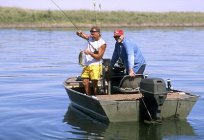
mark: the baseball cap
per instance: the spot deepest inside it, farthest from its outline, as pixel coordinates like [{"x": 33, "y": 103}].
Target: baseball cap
[{"x": 118, "y": 32}]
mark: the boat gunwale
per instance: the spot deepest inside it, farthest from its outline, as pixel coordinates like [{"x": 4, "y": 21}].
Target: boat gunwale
[{"x": 186, "y": 95}]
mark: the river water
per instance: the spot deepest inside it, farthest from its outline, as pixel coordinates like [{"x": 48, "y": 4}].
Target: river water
[{"x": 35, "y": 62}]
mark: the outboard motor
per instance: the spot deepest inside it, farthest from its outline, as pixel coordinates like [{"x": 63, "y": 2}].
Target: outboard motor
[{"x": 154, "y": 92}]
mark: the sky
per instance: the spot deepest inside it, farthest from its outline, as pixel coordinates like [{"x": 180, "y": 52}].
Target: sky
[{"x": 111, "y": 5}]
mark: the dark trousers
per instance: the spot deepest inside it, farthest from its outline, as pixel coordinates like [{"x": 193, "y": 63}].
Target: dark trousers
[{"x": 141, "y": 69}]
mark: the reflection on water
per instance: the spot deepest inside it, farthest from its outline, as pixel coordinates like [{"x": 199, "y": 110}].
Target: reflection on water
[{"x": 89, "y": 128}]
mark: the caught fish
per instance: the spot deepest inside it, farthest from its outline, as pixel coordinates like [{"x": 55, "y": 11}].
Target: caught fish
[{"x": 81, "y": 57}]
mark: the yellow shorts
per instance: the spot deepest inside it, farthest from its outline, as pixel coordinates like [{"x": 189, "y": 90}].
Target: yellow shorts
[{"x": 92, "y": 72}]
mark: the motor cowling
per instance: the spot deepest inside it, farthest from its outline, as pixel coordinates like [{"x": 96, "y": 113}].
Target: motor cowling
[{"x": 155, "y": 93}]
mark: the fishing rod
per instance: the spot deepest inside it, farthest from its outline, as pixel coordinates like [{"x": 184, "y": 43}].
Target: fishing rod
[
  {"x": 99, "y": 5},
  {"x": 100, "y": 12},
  {"x": 81, "y": 52},
  {"x": 95, "y": 50},
  {"x": 64, "y": 14},
  {"x": 94, "y": 4}
]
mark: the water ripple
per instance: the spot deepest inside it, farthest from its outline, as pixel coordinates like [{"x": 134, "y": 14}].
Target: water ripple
[{"x": 34, "y": 63}]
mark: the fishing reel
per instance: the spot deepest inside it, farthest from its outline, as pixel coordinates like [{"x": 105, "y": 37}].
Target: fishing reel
[{"x": 95, "y": 52}]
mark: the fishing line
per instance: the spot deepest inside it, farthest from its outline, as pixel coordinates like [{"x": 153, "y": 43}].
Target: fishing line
[{"x": 150, "y": 116}]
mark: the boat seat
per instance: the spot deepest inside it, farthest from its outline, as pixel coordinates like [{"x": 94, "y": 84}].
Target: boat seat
[{"x": 129, "y": 84}]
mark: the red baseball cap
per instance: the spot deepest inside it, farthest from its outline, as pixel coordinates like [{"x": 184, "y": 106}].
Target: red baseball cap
[{"x": 118, "y": 32}]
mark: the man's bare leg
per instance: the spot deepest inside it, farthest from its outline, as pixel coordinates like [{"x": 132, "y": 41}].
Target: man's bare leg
[
  {"x": 95, "y": 86},
  {"x": 86, "y": 86}
]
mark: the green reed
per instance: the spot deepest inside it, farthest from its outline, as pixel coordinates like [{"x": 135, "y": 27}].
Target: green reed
[{"x": 106, "y": 18}]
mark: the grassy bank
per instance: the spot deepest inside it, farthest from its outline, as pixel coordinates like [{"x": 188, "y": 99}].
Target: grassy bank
[{"x": 15, "y": 17}]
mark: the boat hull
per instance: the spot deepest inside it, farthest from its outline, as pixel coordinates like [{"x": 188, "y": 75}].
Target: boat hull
[
  {"x": 127, "y": 107},
  {"x": 178, "y": 107},
  {"x": 87, "y": 105}
]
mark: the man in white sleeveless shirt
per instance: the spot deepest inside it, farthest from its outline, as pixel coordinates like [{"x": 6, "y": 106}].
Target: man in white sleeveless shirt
[{"x": 93, "y": 58}]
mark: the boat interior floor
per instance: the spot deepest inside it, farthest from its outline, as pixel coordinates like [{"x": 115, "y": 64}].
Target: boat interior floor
[
  {"x": 75, "y": 84},
  {"x": 128, "y": 97}
]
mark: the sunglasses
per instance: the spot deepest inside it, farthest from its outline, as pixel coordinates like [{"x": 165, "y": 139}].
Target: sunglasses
[
  {"x": 116, "y": 37},
  {"x": 92, "y": 31}
]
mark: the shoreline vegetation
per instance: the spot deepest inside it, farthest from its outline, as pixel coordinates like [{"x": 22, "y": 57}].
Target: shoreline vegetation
[{"x": 11, "y": 17}]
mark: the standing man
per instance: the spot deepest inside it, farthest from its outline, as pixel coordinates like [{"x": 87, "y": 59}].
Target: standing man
[
  {"x": 93, "y": 58},
  {"x": 128, "y": 52}
]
